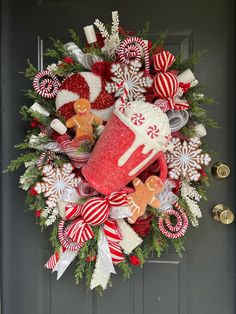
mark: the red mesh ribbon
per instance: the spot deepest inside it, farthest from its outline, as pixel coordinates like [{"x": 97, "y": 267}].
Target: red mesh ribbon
[{"x": 142, "y": 226}]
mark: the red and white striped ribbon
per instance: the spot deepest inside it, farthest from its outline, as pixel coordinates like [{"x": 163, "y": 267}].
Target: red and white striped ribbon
[
  {"x": 113, "y": 235},
  {"x": 130, "y": 50},
  {"x": 116, "y": 252},
  {"x": 72, "y": 211},
  {"x": 112, "y": 231},
  {"x": 51, "y": 263},
  {"x": 79, "y": 232},
  {"x": 95, "y": 211},
  {"x": 70, "y": 148},
  {"x": 165, "y": 84},
  {"x": 46, "y": 84}
]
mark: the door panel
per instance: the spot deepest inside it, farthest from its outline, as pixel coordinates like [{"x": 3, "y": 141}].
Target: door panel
[{"x": 203, "y": 280}]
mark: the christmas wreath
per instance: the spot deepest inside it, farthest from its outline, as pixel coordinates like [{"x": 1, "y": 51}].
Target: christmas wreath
[{"x": 114, "y": 162}]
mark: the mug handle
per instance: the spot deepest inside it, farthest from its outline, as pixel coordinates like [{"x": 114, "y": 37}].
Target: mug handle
[{"x": 160, "y": 166}]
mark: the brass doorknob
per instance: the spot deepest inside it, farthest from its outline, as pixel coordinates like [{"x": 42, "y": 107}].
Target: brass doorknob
[
  {"x": 223, "y": 214},
  {"x": 220, "y": 170}
]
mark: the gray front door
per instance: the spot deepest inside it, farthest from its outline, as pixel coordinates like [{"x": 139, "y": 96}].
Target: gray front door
[{"x": 203, "y": 280}]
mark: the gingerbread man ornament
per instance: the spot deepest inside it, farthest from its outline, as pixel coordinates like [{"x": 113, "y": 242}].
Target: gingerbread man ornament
[
  {"x": 145, "y": 194},
  {"x": 83, "y": 120}
]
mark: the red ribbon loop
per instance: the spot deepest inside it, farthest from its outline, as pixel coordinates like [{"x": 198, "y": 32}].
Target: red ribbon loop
[{"x": 78, "y": 231}]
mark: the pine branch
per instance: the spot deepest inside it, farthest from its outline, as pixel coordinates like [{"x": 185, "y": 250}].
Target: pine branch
[
  {"x": 54, "y": 236},
  {"x": 47, "y": 104},
  {"x": 126, "y": 269},
  {"x": 59, "y": 52},
  {"x": 75, "y": 37},
  {"x": 30, "y": 71},
  {"x": 16, "y": 163},
  {"x": 144, "y": 32},
  {"x": 178, "y": 245},
  {"x": 182, "y": 65}
]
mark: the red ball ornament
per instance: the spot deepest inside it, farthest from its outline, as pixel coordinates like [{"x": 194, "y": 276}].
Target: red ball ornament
[{"x": 84, "y": 85}]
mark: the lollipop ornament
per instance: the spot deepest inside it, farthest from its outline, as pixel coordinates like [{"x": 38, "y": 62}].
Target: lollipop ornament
[
  {"x": 131, "y": 49},
  {"x": 46, "y": 84}
]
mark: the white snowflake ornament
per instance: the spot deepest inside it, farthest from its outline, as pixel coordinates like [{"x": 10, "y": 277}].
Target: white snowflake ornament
[
  {"x": 186, "y": 159},
  {"x": 132, "y": 77},
  {"x": 55, "y": 181}
]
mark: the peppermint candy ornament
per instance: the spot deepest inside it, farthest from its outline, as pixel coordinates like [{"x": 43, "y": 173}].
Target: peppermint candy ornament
[
  {"x": 165, "y": 86},
  {"x": 153, "y": 131},
  {"x": 84, "y": 85},
  {"x": 46, "y": 84},
  {"x": 163, "y": 60}
]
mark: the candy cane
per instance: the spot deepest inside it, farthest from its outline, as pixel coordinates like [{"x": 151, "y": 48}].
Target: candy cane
[
  {"x": 125, "y": 94},
  {"x": 46, "y": 84},
  {"x": 130, "y": 49},
  {"x": 45, "y": 157}
]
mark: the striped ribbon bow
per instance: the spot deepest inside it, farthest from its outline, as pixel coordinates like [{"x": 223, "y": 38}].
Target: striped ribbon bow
[{"x": 93, "y": 213}]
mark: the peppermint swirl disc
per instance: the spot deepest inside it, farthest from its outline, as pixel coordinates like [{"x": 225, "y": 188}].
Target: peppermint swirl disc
[
  {"x": 46, "y": 84},
  {"x": 168, "y": 228}
]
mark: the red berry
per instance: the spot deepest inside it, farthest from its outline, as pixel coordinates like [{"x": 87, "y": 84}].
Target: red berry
[
  {"x": 134, "y": 260},
  {"x": 38, "y": 213},
  {"x": 33, "y": 192},
  {"x": 91, "y": 258},
  {"x": 34, "y": 123},
  {"x": 68, "y": 60}
]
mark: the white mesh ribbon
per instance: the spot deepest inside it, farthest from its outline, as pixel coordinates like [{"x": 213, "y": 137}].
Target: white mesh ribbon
[
  {"x": 66, "y": 258},
  {"x": 167, "y": 198},
  {"x": 104, "y": 265}
]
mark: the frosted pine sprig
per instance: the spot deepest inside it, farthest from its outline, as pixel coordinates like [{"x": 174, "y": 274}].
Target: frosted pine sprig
[
  {"x": 102, "y": 29},
  {"x": 50, "y": 214},
  {"x": 191, "y": 197},
  {"x": 111, "y": 41},
  {"x": 115, "y": 23}
]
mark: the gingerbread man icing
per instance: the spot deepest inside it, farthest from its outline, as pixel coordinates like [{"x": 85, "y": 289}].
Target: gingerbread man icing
[
  {"x": 145, "y": 194},
  {"x": 83, "y": 120}
]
